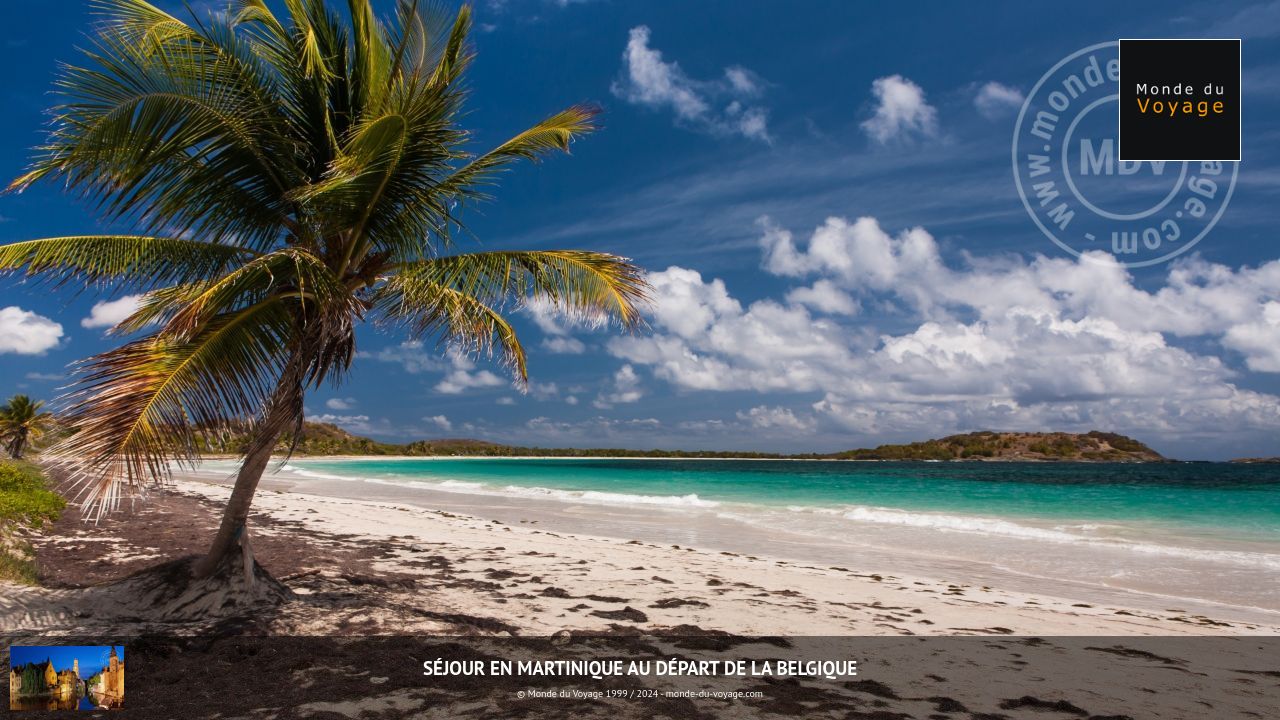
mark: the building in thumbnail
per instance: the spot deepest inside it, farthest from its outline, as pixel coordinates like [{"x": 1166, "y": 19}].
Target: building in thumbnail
[{"x": 110, "y": 687}]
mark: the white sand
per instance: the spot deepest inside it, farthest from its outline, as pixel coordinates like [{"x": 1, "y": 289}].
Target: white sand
[{"x": 679, "y": 585}]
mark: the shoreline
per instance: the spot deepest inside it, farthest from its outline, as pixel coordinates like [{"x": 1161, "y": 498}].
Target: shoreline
[
  {"x": 439, "y": 565},
  {"x": 1035, "y": 461},
  {"x": 1059, "y": 607},
  {"x": 1147, "y": 562}
]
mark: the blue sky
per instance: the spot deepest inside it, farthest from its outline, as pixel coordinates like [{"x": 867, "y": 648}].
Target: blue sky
[
  {"x": 92, "y": 657},
  {"x": 824, "y": 197}
]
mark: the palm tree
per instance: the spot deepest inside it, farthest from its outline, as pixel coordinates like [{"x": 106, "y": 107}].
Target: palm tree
[
  {"x": 283, "y": 180},
  {"x": 22, "y": 422}
]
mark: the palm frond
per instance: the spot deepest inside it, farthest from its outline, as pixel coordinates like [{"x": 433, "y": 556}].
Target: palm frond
[
  {"x": 174, "y": 129},
  {"x": 125, "y": 261},
  {"x": 582, "y": 284},
  {"x": 460, "y": 297},
  {"x": 555, "y": 133},
  {"x": 455, "y": 319},
  {"x": 289, "y": 272},
  {"x": 143, "y": 405}
]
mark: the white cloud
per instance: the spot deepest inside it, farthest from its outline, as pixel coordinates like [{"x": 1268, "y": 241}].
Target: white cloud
[
  {"x": 995, "y": 101},
  {"x": 719, "y": 107},
  {"x": 556, "y": 323},
  {"x": 25, "y": 333},
  {"x": 743, "y": 81},
  {"x": 707, "y": 341},
  {"x": 626, "y": 389},
  {"x": 110, "y": 313},
  {"x": 595, "y": 431},
  {"x": 352, "y": 423},
  {"x": 544, "y": 391},
  {"x": 775, "y": 418},
  {"x": 564, "y": 346},
  {"x": 340, "y": 403},
  {"x": 901, "y": 111},
  {"x": 824, "y": 296},
  {"x": 411, "y": 355},
  {"x": 1258, "y": 339},
  {"x": 440, "y": 421},
  {"x": 1049, "y": 343},
  {"x": 460, "y": 372},
  {"x": 464, "y": 376},
  {"x": 506, "y": 400},
  {"x": 46, "y": 377}
]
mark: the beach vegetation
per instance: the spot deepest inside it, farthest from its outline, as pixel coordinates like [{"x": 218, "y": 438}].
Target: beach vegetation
[{"x": 26, "y": 505}]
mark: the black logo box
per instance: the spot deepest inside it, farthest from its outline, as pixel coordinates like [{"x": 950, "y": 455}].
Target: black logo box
[{"x": 1187, "y": 68}]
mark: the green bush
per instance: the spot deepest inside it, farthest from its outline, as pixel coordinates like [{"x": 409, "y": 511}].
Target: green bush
[
  {"x": 25, "y": 502},
  {"x": 24, "y": 498}
]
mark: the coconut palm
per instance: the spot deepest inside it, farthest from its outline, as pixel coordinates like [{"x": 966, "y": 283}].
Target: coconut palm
[
  {"x": 284, "y": 178},
  {"x": 21, "y": 423}
]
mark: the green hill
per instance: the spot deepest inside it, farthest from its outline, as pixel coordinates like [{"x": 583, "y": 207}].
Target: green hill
[
  {"x": 327, "y": 439},
  {"x": 988, "y": 445}
]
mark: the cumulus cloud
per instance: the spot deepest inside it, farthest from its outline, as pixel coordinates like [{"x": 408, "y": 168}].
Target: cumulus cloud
[
  {"x": 556, "y": 324},
  {"x": 352, "y": 423},
  {"x": 597, "y": 430},
  {"x": 340, "y": 403},
  {"x": 994, "y": 342},
  {"x": 995, "y": 101},
  {"x": 824, "y": 296},
  {"x": 720, "y": 107},
  {"x": 23, "y": 332},
  {"x": 901, "y": 111},
  {"x": 460, "y": 371},
  {"x": 764, "y": 417},
  {"x": 464, "y": 376},
  {"x": 412, "y": 355},
  {"x": 110, "y": 313},
  {"x": 1258, "y": 339},
  {"x": 626, "y": 389},
  {"x": 564, "y": 346},
  {"x": 439, "y": 421}
]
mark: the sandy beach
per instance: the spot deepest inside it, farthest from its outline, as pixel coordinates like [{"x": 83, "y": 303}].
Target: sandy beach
[{"x": 424, "y": 568}]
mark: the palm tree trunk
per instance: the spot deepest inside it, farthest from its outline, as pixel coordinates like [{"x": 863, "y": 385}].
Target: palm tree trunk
[
  {"x": 281, "y": 412},
  {"x": 19, "y": 444}
]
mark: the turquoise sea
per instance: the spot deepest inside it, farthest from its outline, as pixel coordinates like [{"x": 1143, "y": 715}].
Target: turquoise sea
[
  {"x": 1232, "y": 501},
  {"x": 1208, "y": 531}
]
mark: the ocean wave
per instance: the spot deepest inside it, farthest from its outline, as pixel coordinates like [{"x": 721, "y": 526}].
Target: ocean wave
[
  {"x": 594, "y": 497},
  {"x": 977, "y": 525},
  {"x": 610, "y": 498}
]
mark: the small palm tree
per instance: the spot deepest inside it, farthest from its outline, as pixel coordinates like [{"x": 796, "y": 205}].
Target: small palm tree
[
  {"x": 21, "y": 423},
  {"x": 284, "y": 179}
]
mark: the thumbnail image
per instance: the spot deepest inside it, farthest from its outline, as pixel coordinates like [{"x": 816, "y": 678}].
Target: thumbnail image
[{"x": 66, "y": 677}]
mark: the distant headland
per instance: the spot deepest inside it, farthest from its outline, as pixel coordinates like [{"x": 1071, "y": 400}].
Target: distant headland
[{"x": 320, "y": 439}]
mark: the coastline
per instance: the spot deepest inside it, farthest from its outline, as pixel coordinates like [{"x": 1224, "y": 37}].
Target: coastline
[
  {"x": 946, "y": 594},
  {"x": 301, "y": 456},
  {"x": 529, "y": 566},
  {"x": 412, "y": 567}
]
